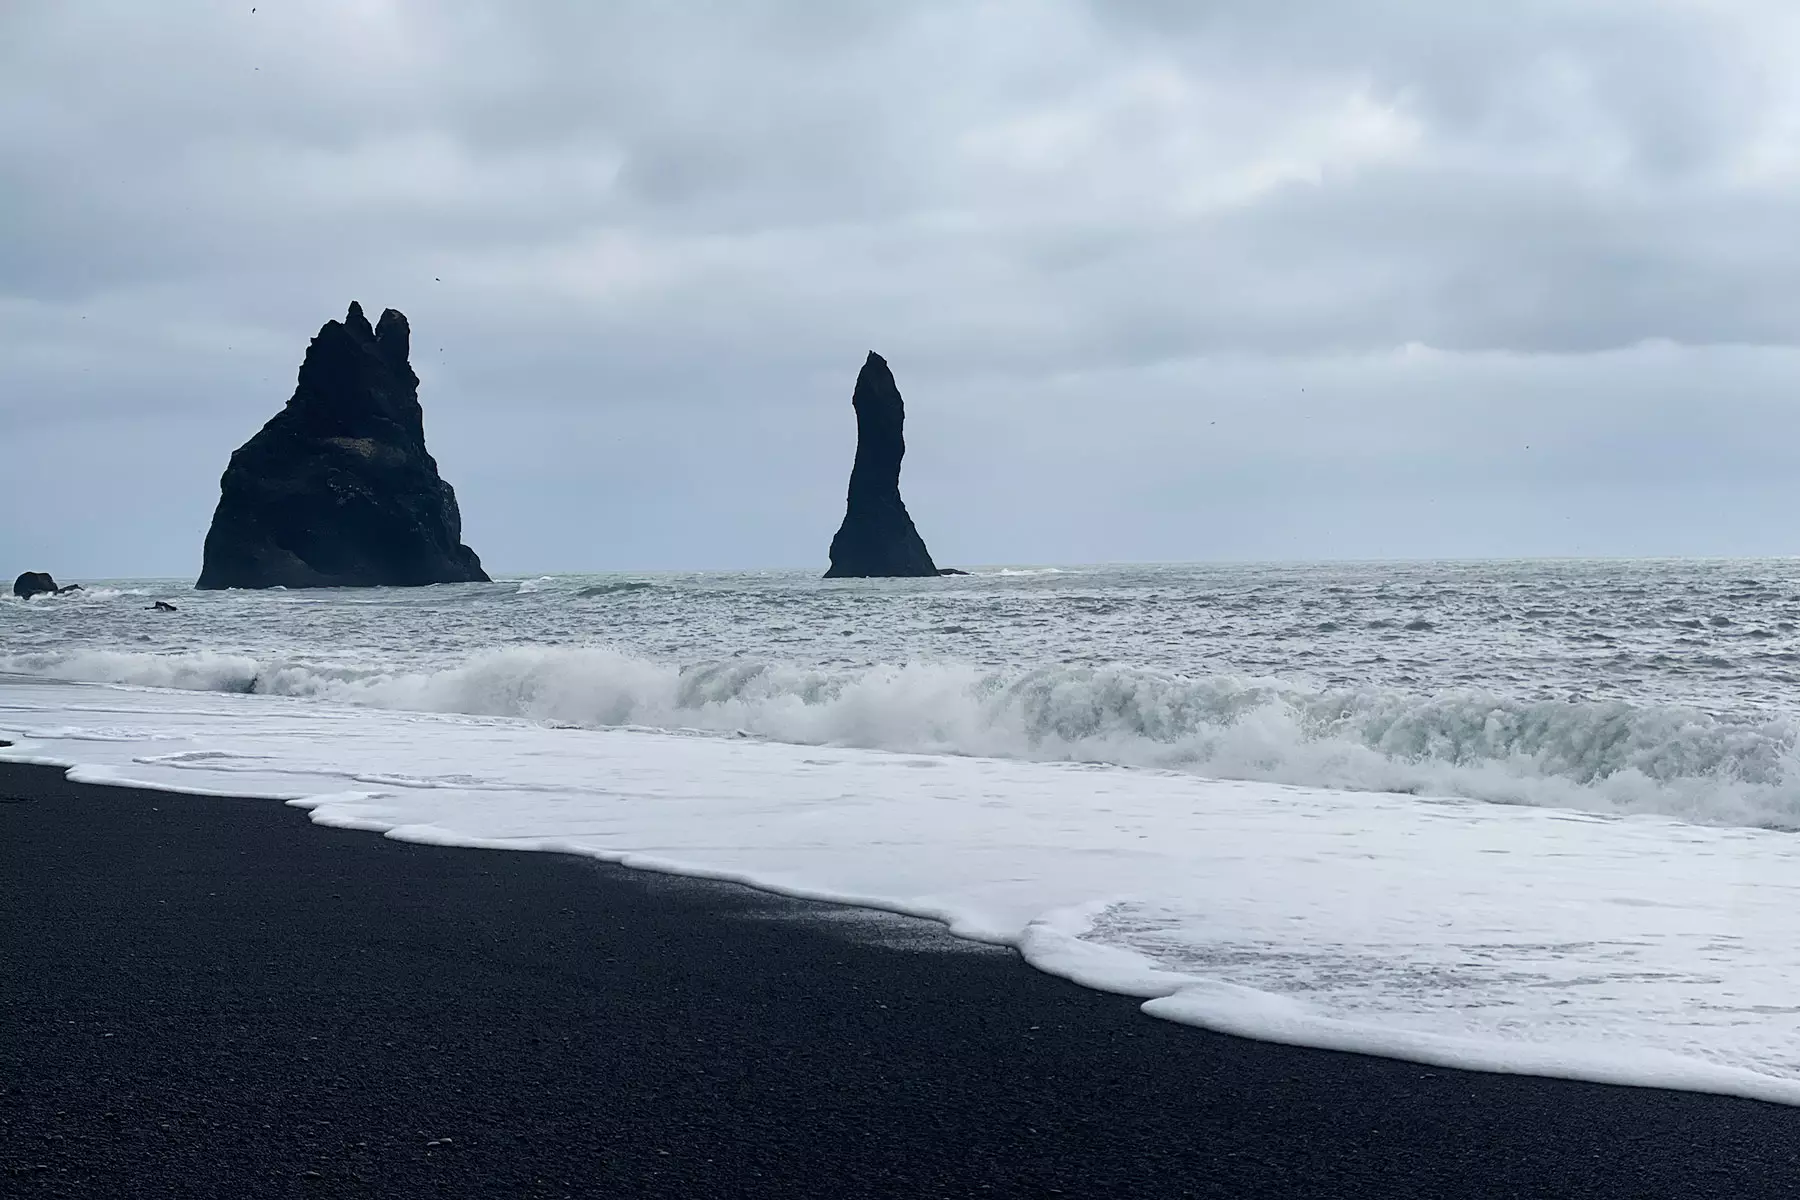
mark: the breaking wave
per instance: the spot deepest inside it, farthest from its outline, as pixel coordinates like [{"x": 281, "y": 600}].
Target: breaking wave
[
  {"x": 614, "y": 589},
  {"x": 84, "y": 593},
  {"x": 1598, "y": 756}
]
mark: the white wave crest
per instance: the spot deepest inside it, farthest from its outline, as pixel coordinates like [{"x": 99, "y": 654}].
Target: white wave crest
[
  {"x": 204, "y": 671},
  {"x": 1598, "y": 756},
  {"x": 81, "y": 594}
]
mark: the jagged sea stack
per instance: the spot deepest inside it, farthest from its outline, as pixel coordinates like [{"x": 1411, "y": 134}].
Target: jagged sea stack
[
  {"x": 877, "y": 537},
  {"x": 337, "y": 490}
]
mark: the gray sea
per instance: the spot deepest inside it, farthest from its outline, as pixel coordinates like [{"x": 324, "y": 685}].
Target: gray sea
[{"x": 1628, "y": 686}]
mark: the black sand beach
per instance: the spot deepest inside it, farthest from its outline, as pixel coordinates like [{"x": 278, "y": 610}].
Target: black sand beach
[{"x": 212, "y": 997}]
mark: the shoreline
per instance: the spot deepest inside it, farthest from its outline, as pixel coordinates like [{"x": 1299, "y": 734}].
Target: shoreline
[
  {"x": 705, "y": 811},
  {"x": 216, "y": 996}
]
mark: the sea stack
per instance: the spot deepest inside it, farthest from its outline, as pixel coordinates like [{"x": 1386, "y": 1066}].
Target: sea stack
[
  {"x": 877, "y": 537},
  {"x": 337, "y": 490}
]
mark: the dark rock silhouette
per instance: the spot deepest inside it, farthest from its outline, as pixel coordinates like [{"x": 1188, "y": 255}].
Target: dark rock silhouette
[
  {"x": 38, "y": 583},
  {"x": 337, "y": 490},
  {"x": 33, "y": 583},
  {"x": 162, "y": 606},
  {"x": 877, "y": 537}
]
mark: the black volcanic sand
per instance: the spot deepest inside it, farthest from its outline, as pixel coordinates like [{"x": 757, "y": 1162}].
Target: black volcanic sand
[{"x": 212, "y": 997}]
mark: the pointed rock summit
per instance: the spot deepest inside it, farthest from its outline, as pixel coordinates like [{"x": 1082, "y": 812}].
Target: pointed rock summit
[
  {"x": 337, "y": 490},
  {"x": 877, "y": 537}
]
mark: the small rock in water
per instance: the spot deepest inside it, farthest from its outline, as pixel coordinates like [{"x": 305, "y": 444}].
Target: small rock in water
[{"x": 34, "y": 583}]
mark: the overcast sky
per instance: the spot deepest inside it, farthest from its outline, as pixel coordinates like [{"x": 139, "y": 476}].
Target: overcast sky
[{"x": 1158, "y": 280}]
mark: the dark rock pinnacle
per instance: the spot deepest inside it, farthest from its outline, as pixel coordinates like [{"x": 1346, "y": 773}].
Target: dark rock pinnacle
[
  {"x": 877, "y": 537},
  {"x": 338, "y": 490}
]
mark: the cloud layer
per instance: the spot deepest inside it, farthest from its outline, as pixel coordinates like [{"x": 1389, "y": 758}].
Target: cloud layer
[{"x": 1159, "y": 280}]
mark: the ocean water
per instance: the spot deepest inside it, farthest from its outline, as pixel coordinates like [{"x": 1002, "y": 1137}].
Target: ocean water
[{"x": 1520, "y": 816}]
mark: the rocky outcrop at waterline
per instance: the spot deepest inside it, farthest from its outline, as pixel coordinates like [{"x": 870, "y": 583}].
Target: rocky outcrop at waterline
[
  {"x": 338, "y": 490},
  {"x": 39, "y": 583},
  {"x": 877, "y": 537}
]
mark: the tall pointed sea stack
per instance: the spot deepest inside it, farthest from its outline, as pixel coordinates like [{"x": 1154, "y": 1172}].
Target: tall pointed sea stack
[
  {"x": 337, "y": 490},
  {"x": 877, "y": 537}
]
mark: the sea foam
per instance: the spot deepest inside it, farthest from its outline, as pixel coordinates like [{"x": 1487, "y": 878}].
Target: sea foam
[{"x": 1602, "y": 756}]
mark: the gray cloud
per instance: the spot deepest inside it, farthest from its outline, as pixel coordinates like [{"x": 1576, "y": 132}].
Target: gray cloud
[{"x": 1158, "y": 279}]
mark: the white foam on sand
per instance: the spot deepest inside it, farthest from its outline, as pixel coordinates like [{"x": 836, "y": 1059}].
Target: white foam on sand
[{"x": 1632, "y": 950}]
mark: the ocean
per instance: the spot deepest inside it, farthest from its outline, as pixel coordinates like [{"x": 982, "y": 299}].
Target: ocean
[{"x": 1528, "y": 816}]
